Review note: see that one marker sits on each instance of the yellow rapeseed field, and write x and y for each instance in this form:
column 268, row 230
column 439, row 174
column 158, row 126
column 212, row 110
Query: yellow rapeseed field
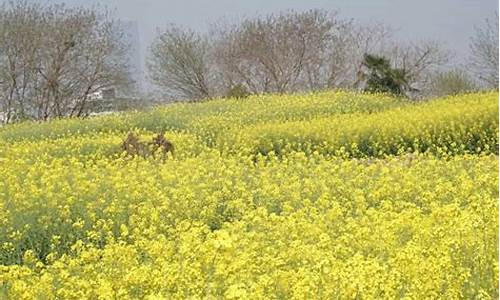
column 330, row 195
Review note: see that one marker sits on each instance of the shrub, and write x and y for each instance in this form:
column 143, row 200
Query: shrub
column 238, row 91
column 451, row 83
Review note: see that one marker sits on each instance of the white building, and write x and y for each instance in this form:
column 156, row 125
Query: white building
column 103, row 94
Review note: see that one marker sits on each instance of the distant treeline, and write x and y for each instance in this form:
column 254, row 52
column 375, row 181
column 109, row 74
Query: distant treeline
column 53, row 58
column 313, row 50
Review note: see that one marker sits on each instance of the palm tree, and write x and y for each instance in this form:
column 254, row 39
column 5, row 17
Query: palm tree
column 381, row 77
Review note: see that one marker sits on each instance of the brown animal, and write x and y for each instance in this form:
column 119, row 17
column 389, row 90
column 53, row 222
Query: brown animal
column 134, row 147
column 160, row 142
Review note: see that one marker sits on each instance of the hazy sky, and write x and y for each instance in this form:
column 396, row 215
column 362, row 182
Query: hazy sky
column 451, row 21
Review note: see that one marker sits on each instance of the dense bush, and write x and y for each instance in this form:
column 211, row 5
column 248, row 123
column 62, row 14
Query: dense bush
column 238, row 91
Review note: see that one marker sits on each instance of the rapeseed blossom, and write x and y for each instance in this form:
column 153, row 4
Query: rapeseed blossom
column 322, row 195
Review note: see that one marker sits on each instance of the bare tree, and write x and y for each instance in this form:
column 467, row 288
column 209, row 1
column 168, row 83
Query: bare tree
column 285, row 52
column 178, row 63
column 328, row 51
column 278, row 52
column 356, row 40
column 88, row 56
column 484, row 49
column 20, row 36
column 419, row 60
column 55, row 57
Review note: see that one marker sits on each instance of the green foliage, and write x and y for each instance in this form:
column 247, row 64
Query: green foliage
column 238, row 91
column 382, row 78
